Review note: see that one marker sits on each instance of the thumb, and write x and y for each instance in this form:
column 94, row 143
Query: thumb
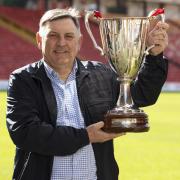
column 99, row 125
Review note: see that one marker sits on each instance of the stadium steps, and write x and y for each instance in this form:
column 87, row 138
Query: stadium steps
column 15, row 52
column 18, row 45
column 19, row 30
column 25, row 18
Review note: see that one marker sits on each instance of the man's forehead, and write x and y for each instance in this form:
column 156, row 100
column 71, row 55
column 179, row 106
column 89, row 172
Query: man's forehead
column 66, row 22
column 54, row 27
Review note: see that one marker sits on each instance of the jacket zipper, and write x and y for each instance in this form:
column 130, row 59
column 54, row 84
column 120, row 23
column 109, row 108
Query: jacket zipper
column 24, row 167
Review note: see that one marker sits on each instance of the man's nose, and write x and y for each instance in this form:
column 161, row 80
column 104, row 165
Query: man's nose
column 61, row 41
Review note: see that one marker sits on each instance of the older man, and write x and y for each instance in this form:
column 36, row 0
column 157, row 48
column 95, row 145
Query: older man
column 56, row 106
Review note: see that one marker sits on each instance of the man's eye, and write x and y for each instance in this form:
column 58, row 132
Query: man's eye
column 52, row 35
column 69, row 36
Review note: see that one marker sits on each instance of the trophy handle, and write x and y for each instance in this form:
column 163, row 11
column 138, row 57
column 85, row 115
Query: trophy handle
column 146, row 52
column 88, row 14
column 156, row 13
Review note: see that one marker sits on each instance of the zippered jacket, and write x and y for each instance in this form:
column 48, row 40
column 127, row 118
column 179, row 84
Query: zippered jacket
column 32, row 113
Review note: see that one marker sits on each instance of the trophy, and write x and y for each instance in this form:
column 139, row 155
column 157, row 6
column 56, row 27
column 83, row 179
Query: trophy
column 124, row 45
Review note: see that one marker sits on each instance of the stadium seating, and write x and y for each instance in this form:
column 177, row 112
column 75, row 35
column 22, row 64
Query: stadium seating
column 172, row 52
column 26, row 18
column 16, row 52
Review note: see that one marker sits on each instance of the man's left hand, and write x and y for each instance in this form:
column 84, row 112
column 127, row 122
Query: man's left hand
column 158, row 37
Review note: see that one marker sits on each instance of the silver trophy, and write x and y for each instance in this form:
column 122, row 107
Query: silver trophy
column 124, row 45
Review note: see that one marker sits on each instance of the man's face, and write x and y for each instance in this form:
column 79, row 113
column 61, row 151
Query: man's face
column 59, row 42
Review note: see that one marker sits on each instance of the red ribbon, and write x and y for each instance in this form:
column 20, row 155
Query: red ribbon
column 158, row 11
column 97, row 14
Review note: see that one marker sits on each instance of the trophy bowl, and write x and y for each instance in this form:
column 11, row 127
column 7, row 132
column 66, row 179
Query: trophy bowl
column 124, row 44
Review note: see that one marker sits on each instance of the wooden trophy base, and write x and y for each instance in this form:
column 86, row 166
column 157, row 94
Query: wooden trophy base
column 126, row 122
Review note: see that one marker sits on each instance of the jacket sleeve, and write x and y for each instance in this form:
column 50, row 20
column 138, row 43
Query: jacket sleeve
column 33, row 134
column 147, row 86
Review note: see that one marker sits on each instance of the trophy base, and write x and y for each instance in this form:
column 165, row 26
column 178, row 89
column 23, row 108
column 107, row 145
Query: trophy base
column 117, row 122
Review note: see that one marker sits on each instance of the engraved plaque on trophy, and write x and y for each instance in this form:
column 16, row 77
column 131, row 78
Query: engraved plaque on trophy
column 124, row 45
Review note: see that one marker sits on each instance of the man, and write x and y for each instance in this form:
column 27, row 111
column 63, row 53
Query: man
column 56, row 106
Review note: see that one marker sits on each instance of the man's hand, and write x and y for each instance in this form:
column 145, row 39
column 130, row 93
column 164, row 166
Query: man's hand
column 96, row 134
column 158, row 37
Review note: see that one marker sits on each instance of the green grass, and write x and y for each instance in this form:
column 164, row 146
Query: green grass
column 154, row 155
column 6, row 146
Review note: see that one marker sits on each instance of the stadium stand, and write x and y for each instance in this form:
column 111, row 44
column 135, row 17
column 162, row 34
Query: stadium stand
column 172, row 52
column 28, row 19
column 17, row 50
column 14, row 52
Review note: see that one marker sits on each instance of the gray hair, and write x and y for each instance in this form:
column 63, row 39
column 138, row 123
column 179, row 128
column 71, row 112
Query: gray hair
column 55, row 14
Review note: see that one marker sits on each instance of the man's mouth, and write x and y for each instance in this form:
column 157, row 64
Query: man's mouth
column 60, row 51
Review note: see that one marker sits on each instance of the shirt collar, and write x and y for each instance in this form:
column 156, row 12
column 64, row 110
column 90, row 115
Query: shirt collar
column 52, row 73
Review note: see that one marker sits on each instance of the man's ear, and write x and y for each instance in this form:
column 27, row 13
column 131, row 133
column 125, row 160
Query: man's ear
column 39, row 40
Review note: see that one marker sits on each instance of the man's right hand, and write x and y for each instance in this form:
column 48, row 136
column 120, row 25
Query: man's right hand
column 96, row 134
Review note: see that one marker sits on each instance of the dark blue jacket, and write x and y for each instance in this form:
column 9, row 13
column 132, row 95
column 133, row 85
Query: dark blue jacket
column 32, row 113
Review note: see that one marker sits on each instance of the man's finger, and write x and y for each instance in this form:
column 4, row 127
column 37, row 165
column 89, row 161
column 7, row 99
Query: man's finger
column 99, row 125
column 162, row 25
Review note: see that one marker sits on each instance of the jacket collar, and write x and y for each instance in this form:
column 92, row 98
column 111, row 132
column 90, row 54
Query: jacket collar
column 39, row 72
column 48, row 92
